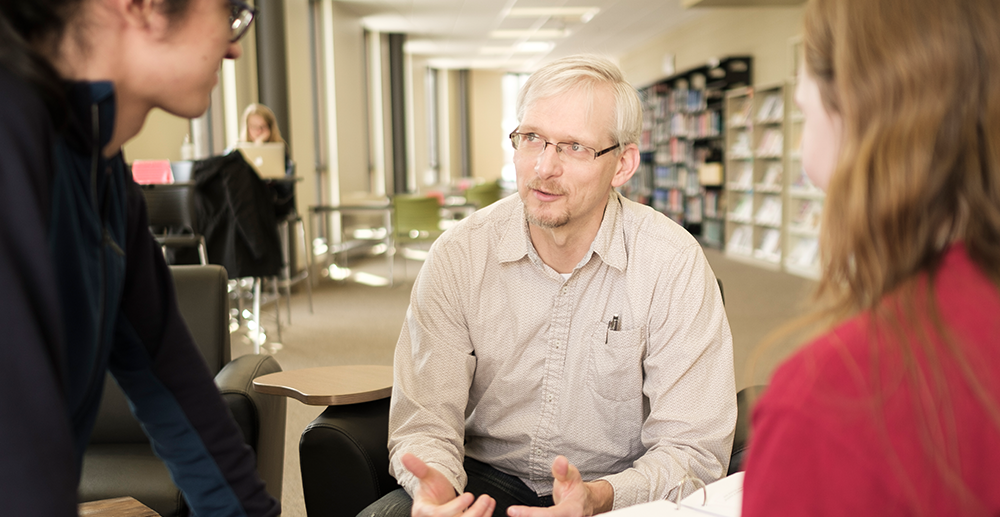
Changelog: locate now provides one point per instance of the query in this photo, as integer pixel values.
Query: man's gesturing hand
(435, 497)
(572, 497)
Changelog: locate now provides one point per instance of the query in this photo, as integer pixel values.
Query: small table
(329, 385)
(118, 507)
(345, 446)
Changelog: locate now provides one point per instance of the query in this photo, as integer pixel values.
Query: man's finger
(483, 507)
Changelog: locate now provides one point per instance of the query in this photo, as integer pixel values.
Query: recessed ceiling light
(528, 47)
(528, 33)
(585, 14)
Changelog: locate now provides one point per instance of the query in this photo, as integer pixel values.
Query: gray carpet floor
(353, 323)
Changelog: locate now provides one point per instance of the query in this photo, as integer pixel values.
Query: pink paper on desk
(146, 172)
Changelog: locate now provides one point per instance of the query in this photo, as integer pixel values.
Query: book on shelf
(770, 246)
(708, 124)
(772, 109)
(743, 209)
(744, 177)
(741, 113)
(808, 216)
(692, 212)
(772, 178)
(740, 147)
(802, 182)
(741, 240)
(711, 231)
(711, 200)
(769, 213)
(692, 185)
(803, 254)
(771, 143)
(660, 200)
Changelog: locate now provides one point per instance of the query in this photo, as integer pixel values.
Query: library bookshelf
(804, 201)
(682, 148)
(755, 155)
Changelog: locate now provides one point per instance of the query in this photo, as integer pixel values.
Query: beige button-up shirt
(502, 359)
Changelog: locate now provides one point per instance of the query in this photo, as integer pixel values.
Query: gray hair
(586, 71)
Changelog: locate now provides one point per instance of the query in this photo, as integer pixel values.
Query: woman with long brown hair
(895, 408)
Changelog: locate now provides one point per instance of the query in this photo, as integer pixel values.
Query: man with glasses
(564, 347)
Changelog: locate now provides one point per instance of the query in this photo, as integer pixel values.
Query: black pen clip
(614, 325)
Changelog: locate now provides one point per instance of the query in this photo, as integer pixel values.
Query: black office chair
(172, 217)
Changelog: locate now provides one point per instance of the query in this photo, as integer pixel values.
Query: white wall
(352, 111)
(485, 124)
(761, 32)
(300, 103)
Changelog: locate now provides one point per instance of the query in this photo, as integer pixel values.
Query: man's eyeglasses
(240, 19)
(534, 144)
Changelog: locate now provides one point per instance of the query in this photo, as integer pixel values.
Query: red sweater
(824, 445)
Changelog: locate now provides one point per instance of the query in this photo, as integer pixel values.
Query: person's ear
(628, 163)
(145, 16)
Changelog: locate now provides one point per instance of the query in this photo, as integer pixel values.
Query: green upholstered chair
(483, 194)
(416, 220)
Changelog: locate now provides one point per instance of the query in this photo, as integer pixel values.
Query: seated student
(261, 126)
(564, 346)
(84, 289)
(895, 408)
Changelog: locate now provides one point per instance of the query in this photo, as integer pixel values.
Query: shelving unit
(755, 154)
(803, 199)
(739, 168)
(682, 172)
(805, 204)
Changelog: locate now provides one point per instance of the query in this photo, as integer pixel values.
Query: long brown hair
(268, 116)
(917, 85)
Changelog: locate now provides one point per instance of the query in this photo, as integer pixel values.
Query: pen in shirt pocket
(613, 326)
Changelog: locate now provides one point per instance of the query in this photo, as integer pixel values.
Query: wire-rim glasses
(535, 144)
(240, 19)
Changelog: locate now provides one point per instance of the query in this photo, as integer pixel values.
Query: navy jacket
(84, 290)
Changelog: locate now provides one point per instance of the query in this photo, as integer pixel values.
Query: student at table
(895, 408)
(565, 347)
(261, 126)
(84, 289)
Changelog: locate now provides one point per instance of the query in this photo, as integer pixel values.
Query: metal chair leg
(300, 224)
(286, 267)
(256, 314)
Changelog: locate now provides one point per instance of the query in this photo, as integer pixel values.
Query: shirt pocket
(614, 369)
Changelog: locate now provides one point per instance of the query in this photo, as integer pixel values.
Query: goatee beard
(550, 222)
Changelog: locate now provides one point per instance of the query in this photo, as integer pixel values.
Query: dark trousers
(507, 490)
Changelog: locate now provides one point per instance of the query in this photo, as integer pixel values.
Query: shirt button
(549, 398)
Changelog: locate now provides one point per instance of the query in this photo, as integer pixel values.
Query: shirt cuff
(630, 488)
(409, 482)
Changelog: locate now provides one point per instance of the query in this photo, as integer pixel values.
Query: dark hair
(23, 27)
(27, 27)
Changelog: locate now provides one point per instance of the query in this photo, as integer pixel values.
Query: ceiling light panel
(583, 14)
(529, 34)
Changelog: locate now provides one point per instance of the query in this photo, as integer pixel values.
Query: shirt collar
(609, 243)
(82, 97)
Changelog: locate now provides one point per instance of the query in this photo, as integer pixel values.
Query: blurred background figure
(261, 126)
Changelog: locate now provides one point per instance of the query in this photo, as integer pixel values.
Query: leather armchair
(119, 460)
(345, 458)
